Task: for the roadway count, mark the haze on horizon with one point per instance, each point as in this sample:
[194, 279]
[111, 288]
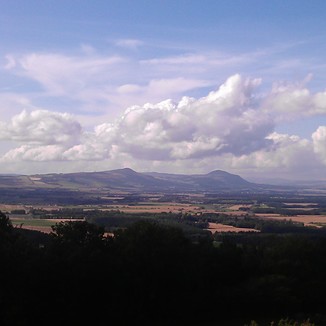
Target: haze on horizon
[167, 86]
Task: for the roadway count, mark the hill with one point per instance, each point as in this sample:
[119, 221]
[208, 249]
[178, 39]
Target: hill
[129, 180]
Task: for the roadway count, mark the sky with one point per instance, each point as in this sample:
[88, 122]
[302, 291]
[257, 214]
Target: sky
[168, 86]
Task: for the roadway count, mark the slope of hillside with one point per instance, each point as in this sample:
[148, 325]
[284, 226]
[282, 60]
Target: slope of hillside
[130, 180]
[92, 187]
[215, 180]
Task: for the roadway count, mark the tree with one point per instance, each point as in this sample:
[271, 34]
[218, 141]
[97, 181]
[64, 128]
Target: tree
[5, 223]
[78, 233]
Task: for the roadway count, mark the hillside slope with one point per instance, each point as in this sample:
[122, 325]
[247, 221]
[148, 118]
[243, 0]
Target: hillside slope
[129, 180]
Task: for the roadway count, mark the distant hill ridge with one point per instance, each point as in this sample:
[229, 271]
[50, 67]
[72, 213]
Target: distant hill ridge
[129, 180]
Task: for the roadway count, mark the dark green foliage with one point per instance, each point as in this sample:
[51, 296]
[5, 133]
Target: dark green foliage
[192, 226]
[5, 224]
[285, 322]
[79, 233]
[18, 211]
[151, 273]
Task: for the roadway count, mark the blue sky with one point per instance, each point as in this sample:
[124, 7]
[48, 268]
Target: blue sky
[171, 86]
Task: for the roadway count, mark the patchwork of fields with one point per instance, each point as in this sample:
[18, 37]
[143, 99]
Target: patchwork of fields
[24, 216]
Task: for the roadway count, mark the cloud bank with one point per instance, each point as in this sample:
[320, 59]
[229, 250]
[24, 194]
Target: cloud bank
[233, 126]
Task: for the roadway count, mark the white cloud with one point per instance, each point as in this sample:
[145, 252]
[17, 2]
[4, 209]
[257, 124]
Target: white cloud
[102, 85]
[225, 121]
[155, 90]
[292, 101]
[231, 128]
[34, 153]
[99, 84]
[319, 141]
[41, 127]
[66, 75]
[287, 152]
[319, 102]
[160, 88]
[290, 157]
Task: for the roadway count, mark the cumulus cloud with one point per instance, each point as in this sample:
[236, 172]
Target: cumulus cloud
[287, 152]
[101, 84]
[289, 157]
[319, 142]
[34, 153]
[229, 128]
[290, 101]
[224, 121]
[41, 127]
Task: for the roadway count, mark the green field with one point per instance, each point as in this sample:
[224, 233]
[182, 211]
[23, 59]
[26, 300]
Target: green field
[33, 222]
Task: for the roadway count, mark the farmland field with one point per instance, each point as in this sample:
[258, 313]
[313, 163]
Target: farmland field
[307, 220]
[310, 211]
[42, 225]
[219, 227]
